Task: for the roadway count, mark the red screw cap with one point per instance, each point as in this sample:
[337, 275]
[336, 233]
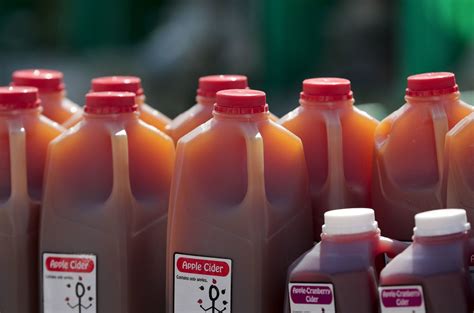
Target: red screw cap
[210, 85]
[18, 98]
[44, 80]
[118, 83]
[241, 101]
[326, 89]
[109, 102]
[431, 84]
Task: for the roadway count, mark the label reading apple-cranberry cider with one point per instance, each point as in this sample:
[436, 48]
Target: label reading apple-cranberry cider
[69, 283]
[311, 298]
[202, 284]
[402, 299]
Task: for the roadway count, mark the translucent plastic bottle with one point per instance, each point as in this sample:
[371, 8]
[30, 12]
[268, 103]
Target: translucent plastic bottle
[459, 160]
[409, 152]
[104, 218]
[24, 138]
[459, 171]
[340, 274]
[52, 93]
[239, 210]
[431, 276]
[201, 112]
[132, 84]
[338, 140]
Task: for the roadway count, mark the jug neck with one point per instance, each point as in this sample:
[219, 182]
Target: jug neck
[457, 238]
[51, 100]
[206, 101]
[371, 236]
[366, 245]
[458, 246]
[252, 118]
[427, 100]
[140, 100]
[328, 105]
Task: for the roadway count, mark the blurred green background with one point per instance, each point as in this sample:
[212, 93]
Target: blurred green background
[277, 43]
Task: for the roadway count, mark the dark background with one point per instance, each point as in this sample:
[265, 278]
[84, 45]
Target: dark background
[277, 43]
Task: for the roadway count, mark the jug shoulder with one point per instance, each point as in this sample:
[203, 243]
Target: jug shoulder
[188, 121]
[400, 264]
[308, 262]
[271, 130]
[464, 127]
[149, 131]
[302, 115]
[358, 124]
[230, 128]
[364, 116]
[148, 109]
[291, 116]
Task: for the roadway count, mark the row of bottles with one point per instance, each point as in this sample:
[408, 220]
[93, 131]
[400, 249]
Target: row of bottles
[213, 207]
[342, 273]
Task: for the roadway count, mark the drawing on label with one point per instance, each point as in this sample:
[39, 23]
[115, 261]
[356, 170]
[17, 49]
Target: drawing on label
[69, 283]
[213, 294]
[202, 284]
[80, 292]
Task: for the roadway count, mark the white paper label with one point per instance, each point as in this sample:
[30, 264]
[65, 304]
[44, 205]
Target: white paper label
[402, 299]
[69, 283]
[202, 284]
[311, 298]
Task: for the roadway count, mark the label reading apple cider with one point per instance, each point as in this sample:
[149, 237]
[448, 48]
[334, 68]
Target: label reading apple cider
[402, 299]
[202, 284]
[69, 283]
[312, 298]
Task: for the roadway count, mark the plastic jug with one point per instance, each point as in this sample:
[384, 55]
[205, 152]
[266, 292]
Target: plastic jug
[132, 84]
[340, 273]
[52, 93]
[431, 276]
[24, 138]
[239, 210]
[459, 160]
[338, 140]
[409, 152]
[201, 112]
[459, 171]
[104, 218]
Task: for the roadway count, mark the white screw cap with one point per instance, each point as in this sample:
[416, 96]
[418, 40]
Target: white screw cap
[441, 222]
[349, 221]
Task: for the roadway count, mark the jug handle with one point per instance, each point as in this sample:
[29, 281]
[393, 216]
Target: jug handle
[121, 196]
[440, 128]
[335, 159]
[256, 193]
[121, 187]
[18, 162]
[391, 247]
[255, 198]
